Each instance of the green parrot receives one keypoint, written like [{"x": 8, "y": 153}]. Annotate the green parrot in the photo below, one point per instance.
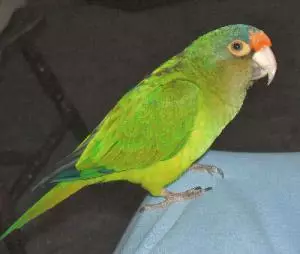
[{"x": 162, "y": 126}]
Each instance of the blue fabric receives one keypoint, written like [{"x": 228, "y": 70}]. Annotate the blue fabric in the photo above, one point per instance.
[{"x": 254, "y": 209}]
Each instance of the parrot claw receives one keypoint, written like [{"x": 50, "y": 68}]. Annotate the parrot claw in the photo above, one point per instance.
[
  {"x": 211, "y": 169},
  {"x": 173, "y": 197}
]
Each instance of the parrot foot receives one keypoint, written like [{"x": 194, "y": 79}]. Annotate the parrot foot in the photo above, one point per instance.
[
  {"x": 173, "y": 197},
  {"x": 211, "y": 169}
]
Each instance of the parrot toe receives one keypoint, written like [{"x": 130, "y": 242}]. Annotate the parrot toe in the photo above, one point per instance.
[
  {"x": 200, "y": 188},
  {"x": 211, "y": 169},
  {"x": 173, "y": 197}
]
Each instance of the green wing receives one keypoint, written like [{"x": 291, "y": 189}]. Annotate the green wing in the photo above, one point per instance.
[{"x": 150, "y": 123}]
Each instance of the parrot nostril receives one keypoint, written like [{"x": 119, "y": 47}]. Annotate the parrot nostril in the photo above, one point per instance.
[{"x": 259, "y": 40}]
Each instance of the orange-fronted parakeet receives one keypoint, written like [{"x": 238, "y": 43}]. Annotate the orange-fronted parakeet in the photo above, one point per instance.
[{"x": 168, "y": 121}]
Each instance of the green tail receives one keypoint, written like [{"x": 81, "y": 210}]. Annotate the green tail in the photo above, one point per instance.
[{"x": 59, "y": 193}]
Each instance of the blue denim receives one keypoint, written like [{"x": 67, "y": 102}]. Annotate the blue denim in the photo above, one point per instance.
[{"x": 254, "y": 209}]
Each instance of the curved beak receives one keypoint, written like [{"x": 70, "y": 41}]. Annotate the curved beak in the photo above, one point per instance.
[{"x": 264, "y": 63}]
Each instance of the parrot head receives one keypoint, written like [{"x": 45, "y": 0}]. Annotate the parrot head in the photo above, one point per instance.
[{"x": 239, "y": 50}]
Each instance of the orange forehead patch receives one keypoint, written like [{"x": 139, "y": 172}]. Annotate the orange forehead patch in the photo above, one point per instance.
[{"x": 259, "y": 40}]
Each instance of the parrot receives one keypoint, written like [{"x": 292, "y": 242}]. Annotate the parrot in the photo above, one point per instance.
[{"x": 162, "y": 126}]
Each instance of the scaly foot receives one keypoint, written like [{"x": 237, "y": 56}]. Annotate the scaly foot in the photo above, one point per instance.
[
  {"x": 207, "y": 168},
  {"x": 173, "y": 197}
]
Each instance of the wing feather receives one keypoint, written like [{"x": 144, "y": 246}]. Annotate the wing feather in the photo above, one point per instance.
[{"x": 149, "y": 124}]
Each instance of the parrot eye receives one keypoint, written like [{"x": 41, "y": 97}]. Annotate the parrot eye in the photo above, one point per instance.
[{"x": 239, "y": 48}]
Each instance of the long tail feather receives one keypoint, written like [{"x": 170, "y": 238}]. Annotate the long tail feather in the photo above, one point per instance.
[
  {"x": 55, "y": 172},
  {"x": 59, "y": 193}
]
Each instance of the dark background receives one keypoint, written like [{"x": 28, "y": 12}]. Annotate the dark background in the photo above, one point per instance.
[{"x": 97, "y": 52}]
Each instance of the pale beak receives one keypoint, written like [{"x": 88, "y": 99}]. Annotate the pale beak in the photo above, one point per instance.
[{"x": 264, "y": 63}]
